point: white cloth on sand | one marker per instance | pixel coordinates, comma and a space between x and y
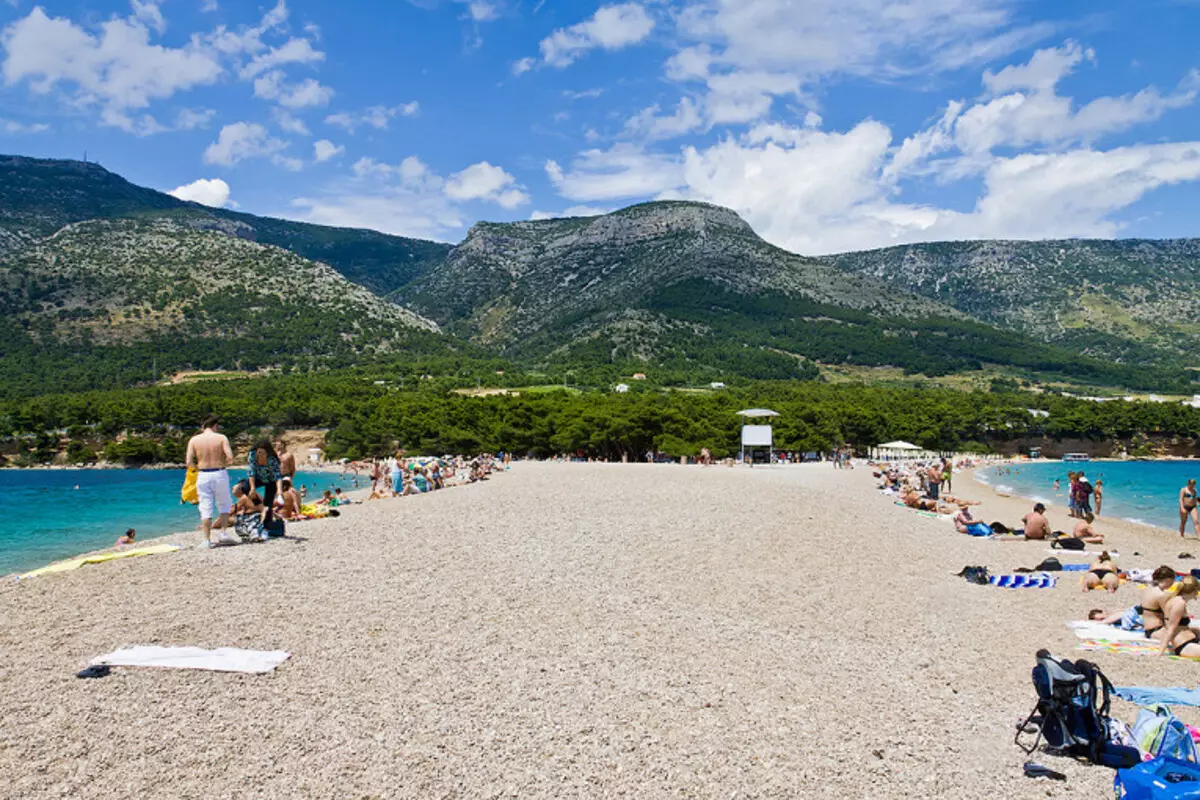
223, 659
1091, 629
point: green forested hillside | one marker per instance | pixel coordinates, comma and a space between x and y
106, 302
1128, 300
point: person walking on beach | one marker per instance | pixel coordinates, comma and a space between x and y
1187, 507
1098, 493
1083, 497
211, 454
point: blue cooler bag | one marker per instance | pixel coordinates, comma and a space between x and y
1160, 779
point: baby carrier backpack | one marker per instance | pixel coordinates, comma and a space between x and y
1071, 714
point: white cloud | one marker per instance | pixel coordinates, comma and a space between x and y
15, 128
611, 28
209, 6
289, 163
484, 181
523, 65
206, 191
584, 94
149, 15
114, 69
189, 119
288, 123
306, 94
323, 150
749, 52
482, 11
240, 141
293, 51
118, 69
377, 117
649, 124
623, 171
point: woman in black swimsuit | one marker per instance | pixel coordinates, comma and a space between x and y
1103, 572
1164, 613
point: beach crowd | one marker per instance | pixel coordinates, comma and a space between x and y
259, 506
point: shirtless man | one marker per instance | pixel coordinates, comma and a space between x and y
1036, 524
1085, 531
290, 510
287, 461
210, 452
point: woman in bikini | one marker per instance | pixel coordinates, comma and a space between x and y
1104, 572
1187, 507
1164, 613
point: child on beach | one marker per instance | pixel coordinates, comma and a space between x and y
127, 539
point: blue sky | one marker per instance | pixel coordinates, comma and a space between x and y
830, 125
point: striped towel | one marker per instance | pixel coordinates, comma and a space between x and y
1146, 647
1034, 580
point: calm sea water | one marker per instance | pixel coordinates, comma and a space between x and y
1140, 491
54, 514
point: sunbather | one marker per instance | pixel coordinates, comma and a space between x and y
914, 500
1085, 531
1102, 572
1036, 524
1164, 610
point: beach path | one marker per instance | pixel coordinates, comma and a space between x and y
562, 630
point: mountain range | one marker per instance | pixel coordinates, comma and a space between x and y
99, 276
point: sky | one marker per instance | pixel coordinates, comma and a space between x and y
829, 125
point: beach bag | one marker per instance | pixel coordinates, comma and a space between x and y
189, 494
1069, 543
276, 528
999, 527
1071, 714
978, 529
1050, 564
1161, 734
1160, 779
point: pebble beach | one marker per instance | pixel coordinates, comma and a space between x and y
569, 630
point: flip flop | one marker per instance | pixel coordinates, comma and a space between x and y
1033, 770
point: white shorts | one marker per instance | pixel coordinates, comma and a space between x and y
213, 491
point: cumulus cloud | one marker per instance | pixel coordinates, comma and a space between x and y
116, 68
240, 141
377, 117
818, 191
611, 28
288, 123
306, 94
484, 181
323, 150
16, 128
206, 191
748, 53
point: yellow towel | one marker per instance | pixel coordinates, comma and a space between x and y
65, 566
188, 493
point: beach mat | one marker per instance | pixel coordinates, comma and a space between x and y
100, 558
1142, 647
223, 659
1089, 629
1024, 581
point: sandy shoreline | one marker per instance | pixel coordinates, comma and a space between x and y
578, 630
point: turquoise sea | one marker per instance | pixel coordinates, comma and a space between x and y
1146, 492
54, 514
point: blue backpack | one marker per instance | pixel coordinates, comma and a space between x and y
1072, 713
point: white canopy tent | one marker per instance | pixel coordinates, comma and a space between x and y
901, 449
758, 435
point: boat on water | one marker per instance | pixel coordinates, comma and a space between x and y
1076, 457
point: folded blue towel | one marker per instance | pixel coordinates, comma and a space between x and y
1153, 695
1074, 567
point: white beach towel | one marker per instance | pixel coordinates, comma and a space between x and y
223, 659
1090, 629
